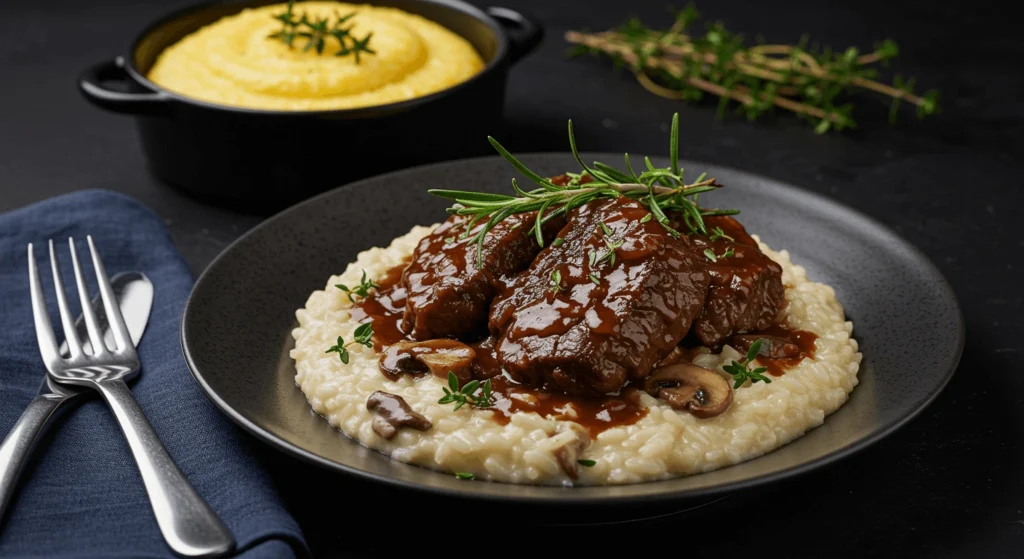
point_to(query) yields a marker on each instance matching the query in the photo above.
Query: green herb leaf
(467, 394)
(464, 475)
(556, 281)
(339, 348)
(718, 233)
(362, 290)
(594, 278)
(587, 463)
(363, 334)
(741, 371)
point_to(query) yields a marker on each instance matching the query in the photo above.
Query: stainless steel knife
(134, 294)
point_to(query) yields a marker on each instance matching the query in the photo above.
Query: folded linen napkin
(81, 495)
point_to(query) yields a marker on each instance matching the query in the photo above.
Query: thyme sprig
(362, 336)
(741, 371)
(812, 82)
(362, 290)
(317, 30)
(467, 394)
(662, 190)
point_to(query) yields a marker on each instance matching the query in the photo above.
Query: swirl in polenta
(236, 61)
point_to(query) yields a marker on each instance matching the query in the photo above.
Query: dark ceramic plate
(237, 325)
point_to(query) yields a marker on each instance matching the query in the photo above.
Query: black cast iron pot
(264, 159)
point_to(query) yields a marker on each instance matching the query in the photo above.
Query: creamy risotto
(528, 448)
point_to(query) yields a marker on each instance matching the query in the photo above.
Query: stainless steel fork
(188, 524)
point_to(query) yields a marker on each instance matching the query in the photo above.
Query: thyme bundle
(814, 83)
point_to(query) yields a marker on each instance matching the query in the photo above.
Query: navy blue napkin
(82, 495)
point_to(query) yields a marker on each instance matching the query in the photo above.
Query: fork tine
(44, 330)
(70, 332)
(95, 336)
(114, 317)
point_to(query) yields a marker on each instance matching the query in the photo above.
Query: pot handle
(91, 80)
(524, 31)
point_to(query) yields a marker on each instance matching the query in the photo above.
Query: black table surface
(951, 483)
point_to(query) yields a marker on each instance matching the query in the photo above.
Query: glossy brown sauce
(595, 414)
(384, 307)
(800, 338)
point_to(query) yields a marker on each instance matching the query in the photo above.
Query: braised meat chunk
(746, 291)
(448, 293)
(600, 306)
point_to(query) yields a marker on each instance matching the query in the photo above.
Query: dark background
(949, 484)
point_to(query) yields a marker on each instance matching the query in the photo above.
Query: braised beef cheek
(582, 322)
(746, 291)
(448, 293)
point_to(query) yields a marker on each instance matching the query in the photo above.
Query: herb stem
(675, 65)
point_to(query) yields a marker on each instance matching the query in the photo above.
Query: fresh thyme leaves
(362, 290)
(741, 371)
(557, 242)
(814, 83)
(449, 240)
(717, 233)
(710, 254)
(464, 475)
(587, 463)
(315, 31)
(595, 278)
(362, 336)
(467, 394)
(646, 218)
(660, 189)
(605, 229)
(556, 281)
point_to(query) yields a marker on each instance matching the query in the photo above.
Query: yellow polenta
(234, 62)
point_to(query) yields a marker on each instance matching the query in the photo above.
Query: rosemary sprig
(811, 82)
(467, 394)
(662, 190)
(316, 31)
(362, 336)
(362, 290)
(741, 372)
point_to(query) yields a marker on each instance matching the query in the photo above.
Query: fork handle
(15, 450)
(188, 524)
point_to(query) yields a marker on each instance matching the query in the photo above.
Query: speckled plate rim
(654, 491)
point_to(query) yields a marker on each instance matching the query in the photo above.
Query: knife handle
(18, 445)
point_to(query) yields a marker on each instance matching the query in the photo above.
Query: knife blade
(134, 294)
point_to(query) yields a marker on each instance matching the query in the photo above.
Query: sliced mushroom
(434, 356)
(393, 413)
(685, 386)
(568, 454)
(772, 347)
(677, 354)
